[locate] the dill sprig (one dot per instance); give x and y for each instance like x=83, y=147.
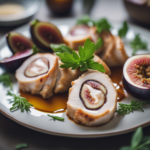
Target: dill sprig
x=18, y=102
x=128, y=108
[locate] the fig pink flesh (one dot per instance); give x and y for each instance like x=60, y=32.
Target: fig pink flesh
x=19, y=42
x=132, y=71
x=79, y=30
x=49, y=34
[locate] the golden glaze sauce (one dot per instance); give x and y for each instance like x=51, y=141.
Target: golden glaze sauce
x=116, y=77
x=55, y=104
x=58, y=103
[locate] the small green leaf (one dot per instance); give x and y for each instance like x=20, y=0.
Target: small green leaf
x=84, y=67
x=75, y=55
x=56, y=118
x=35, y=49
x=34, y=22
x=5, y=79
x=95, y=66
x=125, y=148
x=81, y=52
x=20, y=146
x=123, y=30
x=99, y=43
x=89, y=49
x=137, y=138
x=61, y=48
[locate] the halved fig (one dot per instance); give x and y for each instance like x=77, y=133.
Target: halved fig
x=12, y=63
x=18, y=42
x=136, y=76
x=38, y=74
x=92, y=99
x=78, y=35
x=45, y=33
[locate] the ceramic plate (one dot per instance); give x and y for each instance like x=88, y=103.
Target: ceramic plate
x=30, y=8
x=39, y=121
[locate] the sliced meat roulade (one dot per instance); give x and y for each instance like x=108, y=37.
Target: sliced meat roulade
x=92, y=99
x=38, y=74
x=66, y=76
x=78, y=35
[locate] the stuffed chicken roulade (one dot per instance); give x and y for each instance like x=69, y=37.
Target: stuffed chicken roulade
x=92, y=99
x=38, y=74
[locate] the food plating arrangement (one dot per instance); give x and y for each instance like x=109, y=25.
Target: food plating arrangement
x=84, y=75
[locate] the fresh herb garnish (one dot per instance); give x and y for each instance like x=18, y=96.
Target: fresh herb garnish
x=61, y=48
x=123, y=30
x=35, y=49
x=56, y=118
x=5, y=79
x=18, y=102
x=83, y=60
x=101, y=24
x=20, y=146
x=138, y=142
x=34, y=22
x=128, y=108
x=99, y=43
x=138, y=44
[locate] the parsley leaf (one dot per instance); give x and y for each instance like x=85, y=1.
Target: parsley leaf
x=123, y=30
x=20, y=146
x=128, y=108
x=138, y=44
x=5, y=79
x=61, y=48
x=83, y=60
x=56, y=118
x=99, y=43
x=18, y=102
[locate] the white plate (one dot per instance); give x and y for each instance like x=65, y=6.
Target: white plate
x=39, y=121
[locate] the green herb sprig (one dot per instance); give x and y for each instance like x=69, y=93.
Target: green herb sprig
x=18, y=102
x=123, y=30
x=101, y=24
x=35, y=49
x=5, y=79
x=99, y=43
x=128, y=108
x=83, y=60
x=20, y=146
x=138, y=142
x=56, y=118
x=138, y=44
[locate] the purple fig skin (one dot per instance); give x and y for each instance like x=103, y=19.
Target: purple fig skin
x=53, y=29
x=14, y=64
x=139, y=93
x=25, y=42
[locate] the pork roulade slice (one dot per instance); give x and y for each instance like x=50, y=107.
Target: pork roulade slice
x=92, y=99
x=66, y=76
x=38, y=74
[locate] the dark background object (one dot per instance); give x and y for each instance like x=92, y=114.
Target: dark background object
x=138, y=11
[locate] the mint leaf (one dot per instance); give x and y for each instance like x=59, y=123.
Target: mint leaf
x=95, y=66
x=123, y=30
x=81, y=52
x=20, y=146
x=99, y=43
